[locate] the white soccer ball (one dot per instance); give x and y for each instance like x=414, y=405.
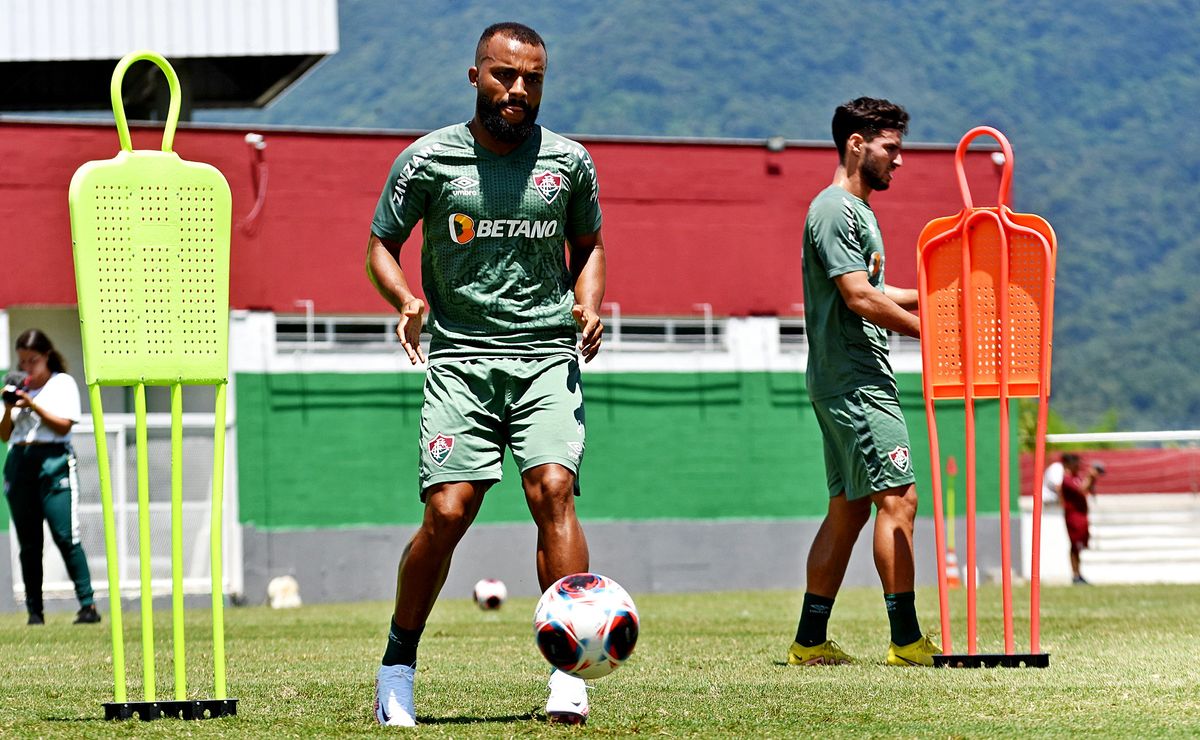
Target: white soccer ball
x=283, y=592
x=586, y=625
x=490, y=593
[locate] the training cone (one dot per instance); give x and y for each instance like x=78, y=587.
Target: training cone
x=952, y=578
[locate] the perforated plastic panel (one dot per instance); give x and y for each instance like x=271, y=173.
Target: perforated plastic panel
x=151, y=242
x=1027, y=276
x=1018, y=340
x=944, y=306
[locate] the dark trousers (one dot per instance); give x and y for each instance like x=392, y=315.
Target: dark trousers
x=40, y=484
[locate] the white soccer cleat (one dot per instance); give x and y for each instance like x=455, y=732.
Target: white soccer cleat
x=568, y=702
x=394, y=696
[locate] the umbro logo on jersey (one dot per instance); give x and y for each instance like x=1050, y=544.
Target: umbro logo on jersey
x=464, y=183
x=548, y=184
x=463, y=228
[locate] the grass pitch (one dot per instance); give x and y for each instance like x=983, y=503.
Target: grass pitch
x=1124, y=662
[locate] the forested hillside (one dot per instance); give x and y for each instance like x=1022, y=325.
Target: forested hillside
x=1098, y=99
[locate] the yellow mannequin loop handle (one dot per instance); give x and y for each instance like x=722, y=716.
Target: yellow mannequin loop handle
x=119, y=106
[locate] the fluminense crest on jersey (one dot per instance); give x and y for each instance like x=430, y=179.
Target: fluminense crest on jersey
x=464, y=228
x=900, y=458
x=548, y=184
x=440, y=448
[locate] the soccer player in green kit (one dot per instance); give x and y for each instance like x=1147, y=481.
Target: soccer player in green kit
x=498, y=197
x=848, y=310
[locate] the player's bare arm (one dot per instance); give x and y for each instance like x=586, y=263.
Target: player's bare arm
x=874, y=305
x=905, y=298
x=383, y=267
x=588, y=268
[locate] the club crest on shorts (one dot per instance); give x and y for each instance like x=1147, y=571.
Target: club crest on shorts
x=548, y=184
x=575, y=450
x=440, y=448
x=899, y=458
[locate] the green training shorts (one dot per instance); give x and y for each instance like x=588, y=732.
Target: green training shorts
x=866, y=442
x=475, y=408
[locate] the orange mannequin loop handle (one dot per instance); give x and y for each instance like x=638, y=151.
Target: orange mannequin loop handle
x=1002, y=198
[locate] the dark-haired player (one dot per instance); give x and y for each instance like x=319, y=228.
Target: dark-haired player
x=848, y=311
x=497, y=197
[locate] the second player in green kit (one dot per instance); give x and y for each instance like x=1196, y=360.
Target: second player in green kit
x=848, y=311
x=510, y=313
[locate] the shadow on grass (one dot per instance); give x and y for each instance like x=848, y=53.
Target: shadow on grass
x=528, y=716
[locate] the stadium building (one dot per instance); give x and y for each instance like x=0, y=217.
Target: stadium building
x=704, y=466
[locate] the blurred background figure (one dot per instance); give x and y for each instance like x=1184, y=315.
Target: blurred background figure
x=41, y=404
x=1052, y=481
x=1076, y=485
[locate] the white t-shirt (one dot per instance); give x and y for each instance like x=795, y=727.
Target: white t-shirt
x=59, y=396
x=1052, y=483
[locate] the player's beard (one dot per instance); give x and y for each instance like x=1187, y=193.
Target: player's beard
x=874, y=172
x=510, y=133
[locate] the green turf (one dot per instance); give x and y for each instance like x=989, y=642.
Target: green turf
x=1124, y=662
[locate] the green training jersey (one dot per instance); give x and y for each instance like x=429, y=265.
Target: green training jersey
x=845, y=351
x=493, y=263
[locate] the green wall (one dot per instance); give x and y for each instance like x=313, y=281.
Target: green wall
x=329, y=450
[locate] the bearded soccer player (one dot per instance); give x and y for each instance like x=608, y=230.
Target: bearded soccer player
x=498, y=197
x=848, y=311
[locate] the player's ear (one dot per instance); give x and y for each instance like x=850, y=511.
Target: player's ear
x=473, y=76
x=855, y=143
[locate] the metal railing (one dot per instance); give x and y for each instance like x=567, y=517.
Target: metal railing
x=703, y=332
x=196, y=506
x=631, y=333
x=793, y=337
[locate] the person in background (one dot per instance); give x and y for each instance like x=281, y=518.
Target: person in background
x=1077, y=484
x=1052, y=481
x=39, y=472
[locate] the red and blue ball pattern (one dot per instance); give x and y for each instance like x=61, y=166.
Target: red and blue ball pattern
x=586, y=625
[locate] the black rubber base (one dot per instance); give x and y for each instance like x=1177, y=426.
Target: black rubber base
x=148, y=710
x=993, y=660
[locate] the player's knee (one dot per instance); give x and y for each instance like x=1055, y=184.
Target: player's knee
x=550, y=480
x=852, y=520
x=849, y=516
x=899, y=504
x=550, y=489
x=447, y=518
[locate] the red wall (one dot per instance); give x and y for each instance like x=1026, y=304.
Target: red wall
x=685, y=223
